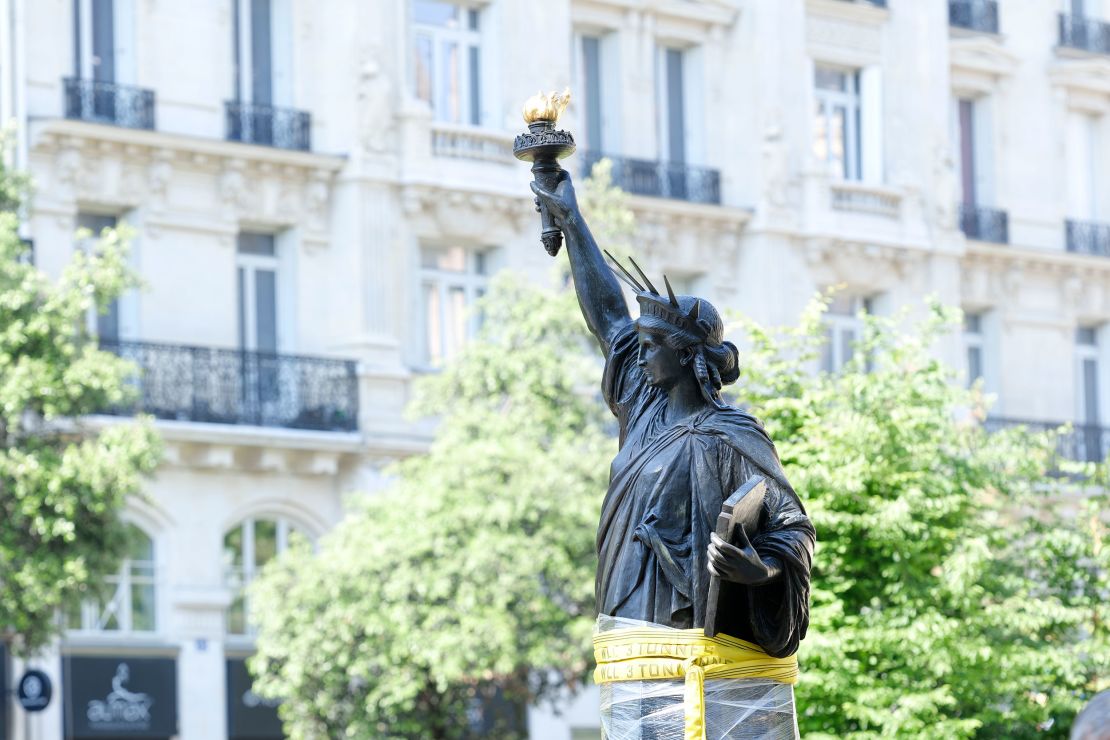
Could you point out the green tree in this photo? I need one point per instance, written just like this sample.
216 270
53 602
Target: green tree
61 485
950 598
948 601
472 579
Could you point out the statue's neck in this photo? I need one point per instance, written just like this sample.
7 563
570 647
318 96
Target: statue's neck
684 399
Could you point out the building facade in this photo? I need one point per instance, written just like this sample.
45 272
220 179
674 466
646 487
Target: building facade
316 192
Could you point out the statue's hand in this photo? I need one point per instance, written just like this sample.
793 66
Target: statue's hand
740 563
561 203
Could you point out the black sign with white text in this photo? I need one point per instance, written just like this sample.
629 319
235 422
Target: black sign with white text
122 697
249 716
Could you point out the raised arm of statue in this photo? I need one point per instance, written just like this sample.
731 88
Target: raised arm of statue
599 293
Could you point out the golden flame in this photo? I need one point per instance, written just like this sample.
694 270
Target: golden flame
548 107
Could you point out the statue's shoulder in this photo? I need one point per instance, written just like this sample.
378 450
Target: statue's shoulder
739 431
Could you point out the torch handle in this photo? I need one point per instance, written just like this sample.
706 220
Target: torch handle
545 172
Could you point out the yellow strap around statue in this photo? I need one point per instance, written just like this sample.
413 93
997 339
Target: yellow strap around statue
647 653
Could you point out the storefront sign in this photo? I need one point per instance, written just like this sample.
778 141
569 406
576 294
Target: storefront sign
249 716
120 697
34 691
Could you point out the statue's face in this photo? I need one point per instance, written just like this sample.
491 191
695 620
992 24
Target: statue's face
661 365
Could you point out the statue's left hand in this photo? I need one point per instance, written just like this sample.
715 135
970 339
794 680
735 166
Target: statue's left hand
740 563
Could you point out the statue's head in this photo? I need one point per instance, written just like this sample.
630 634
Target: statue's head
679 336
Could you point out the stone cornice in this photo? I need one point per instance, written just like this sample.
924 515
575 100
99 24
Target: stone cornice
1086 81
49 134
1045 261
78 163
707 13
978 62
859 11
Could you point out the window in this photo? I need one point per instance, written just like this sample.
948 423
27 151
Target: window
451 280
90 227
131 606
257 277
103 31
973 344
597 94
672 107
836 129
262 52
447 60
1083 166
1088 394
247 548
973 136
1087 386
843 328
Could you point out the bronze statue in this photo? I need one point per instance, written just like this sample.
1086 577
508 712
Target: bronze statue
683 452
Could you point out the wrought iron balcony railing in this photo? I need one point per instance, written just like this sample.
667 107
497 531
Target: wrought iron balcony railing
1088 34
661 179
974 15
285 128
107 102
1079 442
227 386
984 224
1088 238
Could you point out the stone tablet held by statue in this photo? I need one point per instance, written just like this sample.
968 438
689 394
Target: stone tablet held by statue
742 510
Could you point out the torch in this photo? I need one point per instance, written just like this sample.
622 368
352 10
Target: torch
544 146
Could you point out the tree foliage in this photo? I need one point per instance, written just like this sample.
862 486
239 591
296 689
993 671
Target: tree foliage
61 486
470 582
959 591
949 598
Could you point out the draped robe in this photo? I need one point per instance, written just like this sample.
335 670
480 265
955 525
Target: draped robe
666 487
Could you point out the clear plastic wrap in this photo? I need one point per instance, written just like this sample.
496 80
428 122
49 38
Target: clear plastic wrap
735 708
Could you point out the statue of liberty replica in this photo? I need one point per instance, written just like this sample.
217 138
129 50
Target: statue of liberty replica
704 549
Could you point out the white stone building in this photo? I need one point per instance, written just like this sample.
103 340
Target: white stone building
317 190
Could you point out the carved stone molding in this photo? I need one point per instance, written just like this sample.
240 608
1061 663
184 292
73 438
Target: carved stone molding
978 63
78 163
478 217
858 263
1085 82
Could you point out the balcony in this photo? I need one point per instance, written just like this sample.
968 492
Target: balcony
661 179
284 128
227 386
1087 34
1088 238
984 224
466 142
109 103
980 16
1079 442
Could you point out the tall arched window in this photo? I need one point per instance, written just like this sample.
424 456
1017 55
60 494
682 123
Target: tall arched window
131 604
247 548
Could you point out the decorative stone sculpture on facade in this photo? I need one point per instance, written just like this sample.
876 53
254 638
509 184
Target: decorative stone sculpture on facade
683 453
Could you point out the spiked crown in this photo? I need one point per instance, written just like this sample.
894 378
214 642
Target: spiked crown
669 309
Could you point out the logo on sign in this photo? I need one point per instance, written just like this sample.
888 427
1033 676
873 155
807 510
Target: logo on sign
34 691
121 709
